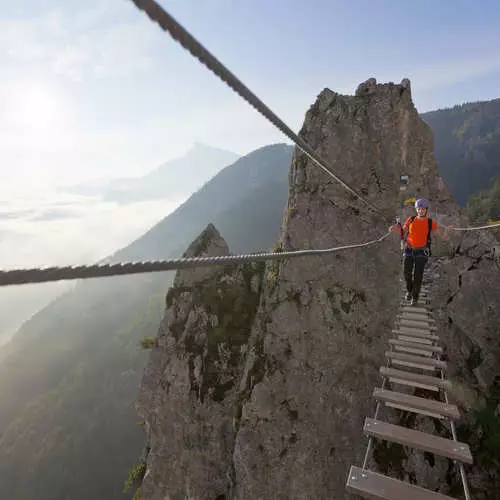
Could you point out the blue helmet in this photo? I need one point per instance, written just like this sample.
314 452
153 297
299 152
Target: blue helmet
422 203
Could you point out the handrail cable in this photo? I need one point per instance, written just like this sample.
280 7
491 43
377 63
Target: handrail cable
41 275
489 226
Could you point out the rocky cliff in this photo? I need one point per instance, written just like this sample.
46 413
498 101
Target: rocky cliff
262 375
190 398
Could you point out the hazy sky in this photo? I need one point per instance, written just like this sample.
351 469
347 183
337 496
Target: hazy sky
93 88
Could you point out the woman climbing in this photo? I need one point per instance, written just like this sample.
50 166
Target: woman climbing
416 233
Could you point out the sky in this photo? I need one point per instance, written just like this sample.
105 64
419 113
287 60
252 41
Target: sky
93 89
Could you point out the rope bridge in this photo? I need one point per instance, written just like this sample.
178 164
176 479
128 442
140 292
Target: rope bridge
413 358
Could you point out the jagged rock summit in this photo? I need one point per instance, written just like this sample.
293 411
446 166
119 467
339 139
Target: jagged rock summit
189 396
263 374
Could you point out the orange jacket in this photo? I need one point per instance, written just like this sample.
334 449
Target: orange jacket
417 235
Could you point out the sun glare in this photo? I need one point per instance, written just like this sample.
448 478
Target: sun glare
34 107
38 118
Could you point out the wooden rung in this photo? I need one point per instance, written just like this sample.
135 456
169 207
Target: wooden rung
416 317
412 350
426 320
410 383
399 356
416 345
416 404
419 340
415 333
411 323
413 364
416 377
415 410
415 309
375 486
416 329
418 440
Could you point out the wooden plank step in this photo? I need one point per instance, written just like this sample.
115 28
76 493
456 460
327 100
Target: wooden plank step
414 332
419 318
420 340
375 486
411 323
412 329
418 440
416 345
397 357
415 404
412 350
415 379
415 309
416 317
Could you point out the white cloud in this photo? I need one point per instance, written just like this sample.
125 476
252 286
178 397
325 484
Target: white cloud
45 233
80 46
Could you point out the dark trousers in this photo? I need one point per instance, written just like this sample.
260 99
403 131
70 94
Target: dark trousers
414 265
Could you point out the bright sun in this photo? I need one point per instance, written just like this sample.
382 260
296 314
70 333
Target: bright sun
34 107
38 132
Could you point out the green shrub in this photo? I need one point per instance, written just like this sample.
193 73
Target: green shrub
135 477
148 342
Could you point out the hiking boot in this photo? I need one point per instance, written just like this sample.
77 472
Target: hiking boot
414 301
408 296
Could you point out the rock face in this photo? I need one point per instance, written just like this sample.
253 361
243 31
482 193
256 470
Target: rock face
188 391
467 306
328 319
262 375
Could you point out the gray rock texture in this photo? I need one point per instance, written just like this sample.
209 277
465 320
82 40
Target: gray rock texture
262 375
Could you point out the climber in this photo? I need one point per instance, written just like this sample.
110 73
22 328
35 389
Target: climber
416 233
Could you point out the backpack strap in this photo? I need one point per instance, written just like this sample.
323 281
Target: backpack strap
412 218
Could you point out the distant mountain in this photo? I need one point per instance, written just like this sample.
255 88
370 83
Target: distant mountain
467 146
70 377
250 189
181 176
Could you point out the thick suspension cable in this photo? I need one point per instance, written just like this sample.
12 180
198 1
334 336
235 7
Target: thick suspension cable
36 275
157 14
